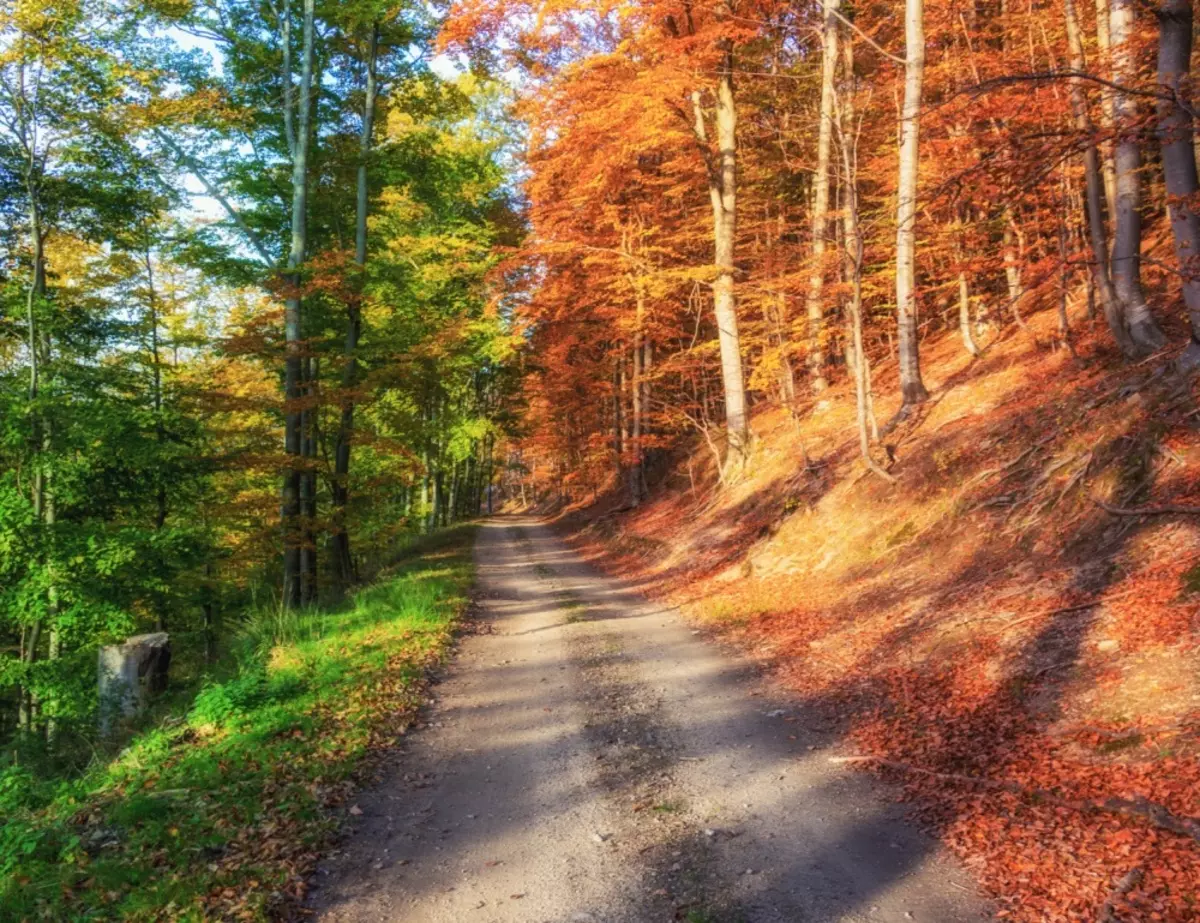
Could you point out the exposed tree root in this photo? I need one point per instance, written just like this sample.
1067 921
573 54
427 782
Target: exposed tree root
1167 509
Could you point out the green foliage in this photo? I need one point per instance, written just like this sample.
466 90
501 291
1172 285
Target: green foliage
188 815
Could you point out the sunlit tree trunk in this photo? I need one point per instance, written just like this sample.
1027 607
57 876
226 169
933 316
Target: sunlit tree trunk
635 398
1104 48
1175 132
912 388
820 207
1127 238
722 187
1014 255
853 252
964 314
298 131
1102 287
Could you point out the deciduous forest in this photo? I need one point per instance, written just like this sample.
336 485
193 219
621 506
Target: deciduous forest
865 335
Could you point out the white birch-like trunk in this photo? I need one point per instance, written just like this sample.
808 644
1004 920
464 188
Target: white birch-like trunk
1104 48
722 187
912 388
820 207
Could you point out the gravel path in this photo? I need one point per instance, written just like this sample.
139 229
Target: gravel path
589 759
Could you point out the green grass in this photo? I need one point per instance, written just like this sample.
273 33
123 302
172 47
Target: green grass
576 608
220 813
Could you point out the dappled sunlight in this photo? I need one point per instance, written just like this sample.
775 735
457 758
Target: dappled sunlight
985 618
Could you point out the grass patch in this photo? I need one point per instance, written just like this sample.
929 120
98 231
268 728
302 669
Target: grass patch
575 608
221 813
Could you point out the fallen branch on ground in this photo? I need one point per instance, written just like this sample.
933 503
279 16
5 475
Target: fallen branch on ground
1169 509
1137 808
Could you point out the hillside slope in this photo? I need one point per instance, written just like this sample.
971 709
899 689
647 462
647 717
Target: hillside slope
984 629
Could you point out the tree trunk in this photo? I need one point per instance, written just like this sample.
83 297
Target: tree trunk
343 560
1176 133
635 468
1104 49
298 139
722 186
309 427
1102 287
964 315
1127 239
853 252
34 296
647 366
1014 252
820 207
618 420
912 388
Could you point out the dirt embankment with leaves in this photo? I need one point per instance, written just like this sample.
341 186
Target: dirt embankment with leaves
1011 631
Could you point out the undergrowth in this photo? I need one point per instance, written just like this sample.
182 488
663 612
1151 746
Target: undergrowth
218 813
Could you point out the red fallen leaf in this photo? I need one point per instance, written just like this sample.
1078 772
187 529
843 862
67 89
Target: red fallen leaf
515 897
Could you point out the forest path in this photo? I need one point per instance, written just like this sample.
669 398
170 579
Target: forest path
589 759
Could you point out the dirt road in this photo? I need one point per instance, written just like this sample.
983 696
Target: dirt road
589 759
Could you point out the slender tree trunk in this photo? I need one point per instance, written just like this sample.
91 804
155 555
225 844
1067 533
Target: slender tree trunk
452 500
343 560
722 185
34 295
1014 252
1102 287
645 429
820 209
426 475
160 435
635 468
1127 239
912 388
864 412
54 645
310 428
1176 133
1107 118
298 140
618 419
1064 266
964 314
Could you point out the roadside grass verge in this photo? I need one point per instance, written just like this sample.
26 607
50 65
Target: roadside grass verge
221 813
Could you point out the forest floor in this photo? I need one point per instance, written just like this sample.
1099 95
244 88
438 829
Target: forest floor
590 758
220 813
1011 630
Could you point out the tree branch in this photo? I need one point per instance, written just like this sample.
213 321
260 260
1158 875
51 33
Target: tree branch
194 168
